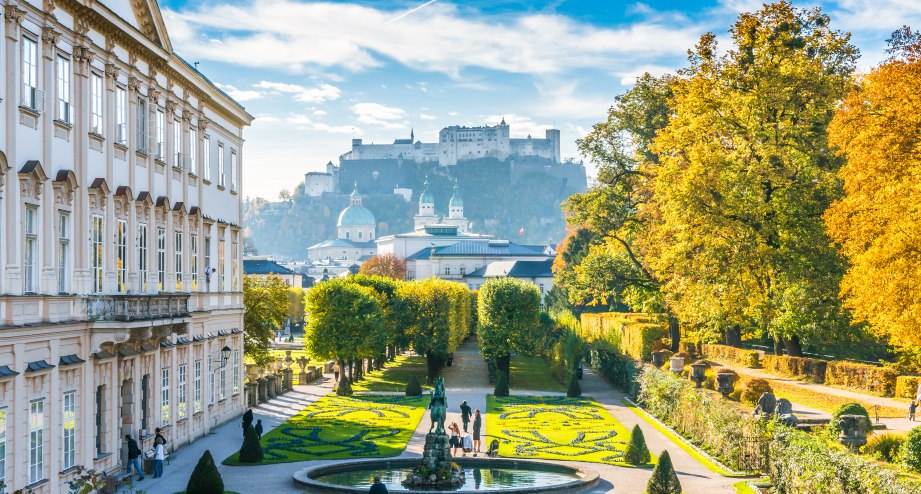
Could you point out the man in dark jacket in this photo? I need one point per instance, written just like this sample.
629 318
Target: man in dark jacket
134 453
247 420
465 414
259 429
377 487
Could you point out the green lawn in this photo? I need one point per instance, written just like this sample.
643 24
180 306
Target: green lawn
336 427
532 374
555 428
394 375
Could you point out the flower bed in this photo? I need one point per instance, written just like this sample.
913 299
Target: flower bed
335 427
555 428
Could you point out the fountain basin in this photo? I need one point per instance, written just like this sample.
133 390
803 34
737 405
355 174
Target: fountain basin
482 474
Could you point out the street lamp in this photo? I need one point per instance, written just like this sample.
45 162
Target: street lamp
225 355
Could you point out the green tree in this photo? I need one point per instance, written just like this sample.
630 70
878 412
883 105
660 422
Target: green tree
386 289
637 452
251 451
745 172
205 479
344 322
664 480
296 308
509 319
265 302
435 315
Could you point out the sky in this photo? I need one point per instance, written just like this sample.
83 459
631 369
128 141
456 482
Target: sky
317 74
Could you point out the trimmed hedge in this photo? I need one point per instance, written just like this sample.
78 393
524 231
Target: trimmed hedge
807 369
872 379
907 386
739 356
635 334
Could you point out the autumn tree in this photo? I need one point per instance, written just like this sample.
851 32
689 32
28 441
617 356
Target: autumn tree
509 319
388 265
745 173
878 220
265 302
296 309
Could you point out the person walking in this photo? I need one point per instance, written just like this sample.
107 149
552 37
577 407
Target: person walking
377 487
477 427
259 428
134 454
465 414
159 456
454 441
247 420
336 370
912 409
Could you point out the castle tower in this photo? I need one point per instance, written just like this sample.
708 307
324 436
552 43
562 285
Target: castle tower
426 214
456 212
356 222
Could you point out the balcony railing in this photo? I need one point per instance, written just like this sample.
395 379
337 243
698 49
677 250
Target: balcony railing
136 307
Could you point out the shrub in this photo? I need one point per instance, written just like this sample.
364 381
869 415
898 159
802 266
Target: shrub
413 388
884 447
910 452
880 381
726 353
907 386
664 479
846 409
205 478
344 388
635 334
807 369
501 385
753 390
574 390
251 451
637 452
613 365
688 347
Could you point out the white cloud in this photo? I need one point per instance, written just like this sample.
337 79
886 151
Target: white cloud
388 117
440 38
318 94
557 99
629 77
303 122
426 116
239 94
519 125
320 113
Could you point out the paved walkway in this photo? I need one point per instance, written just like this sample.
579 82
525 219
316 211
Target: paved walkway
894 424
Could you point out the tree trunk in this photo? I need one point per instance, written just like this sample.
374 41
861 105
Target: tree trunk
350 367
674 331
381 359
733 336
778 346
433 365
503 365
794 349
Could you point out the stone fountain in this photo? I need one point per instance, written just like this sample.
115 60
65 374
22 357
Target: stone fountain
437 469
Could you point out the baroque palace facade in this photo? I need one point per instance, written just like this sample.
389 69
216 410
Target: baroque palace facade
121 303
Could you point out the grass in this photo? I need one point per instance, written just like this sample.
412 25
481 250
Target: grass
743 488
828 402
555 428
394 375
336 427
679 441
533 374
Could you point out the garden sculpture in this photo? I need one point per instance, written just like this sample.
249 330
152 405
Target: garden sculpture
766 404
785 412
439 406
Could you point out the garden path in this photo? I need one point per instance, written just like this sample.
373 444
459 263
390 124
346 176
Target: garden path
893 424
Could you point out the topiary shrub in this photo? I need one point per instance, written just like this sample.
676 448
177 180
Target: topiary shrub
205 478
664 479
907 386
637 453
754 389
344 388
910 452
413 388
574 390
501 385
884 447
846 409
251 451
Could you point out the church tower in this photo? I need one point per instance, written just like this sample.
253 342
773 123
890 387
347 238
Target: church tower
456 212
426 214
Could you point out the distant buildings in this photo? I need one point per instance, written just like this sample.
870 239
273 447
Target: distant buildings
356 231
263 267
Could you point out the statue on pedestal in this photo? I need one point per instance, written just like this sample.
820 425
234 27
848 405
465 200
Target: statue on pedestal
436 469
439 406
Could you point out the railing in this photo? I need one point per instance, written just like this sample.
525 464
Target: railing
135 307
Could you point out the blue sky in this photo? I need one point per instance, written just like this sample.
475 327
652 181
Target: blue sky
316 74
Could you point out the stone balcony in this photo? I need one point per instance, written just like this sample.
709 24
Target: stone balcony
136 307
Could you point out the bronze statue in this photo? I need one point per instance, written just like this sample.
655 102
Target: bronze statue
439 406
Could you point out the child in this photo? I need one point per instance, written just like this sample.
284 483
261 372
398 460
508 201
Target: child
911 410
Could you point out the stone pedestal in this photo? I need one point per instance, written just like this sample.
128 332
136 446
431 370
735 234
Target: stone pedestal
270 385
289 379
436 469
262 384
252 394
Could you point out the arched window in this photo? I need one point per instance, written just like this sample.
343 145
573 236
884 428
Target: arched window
347 235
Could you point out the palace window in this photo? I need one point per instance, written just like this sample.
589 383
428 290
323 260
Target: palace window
121 254
223 387
221 181
164 396
236 371
2 444
206 158
181 413
142 125
96 254
233 171
142 256
30 251
177 257
100 420
220 260
145 401
208 266
96 92
193 150
63 90
194 258
121 116
235 261
161 257
210 383
177 144
160 147
63 250
31 96
70 430
447 270
36 441
196 391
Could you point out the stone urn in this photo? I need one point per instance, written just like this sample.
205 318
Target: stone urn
289 360
253 371
302 362
725 383
853 431
658 357
676 364
699 372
